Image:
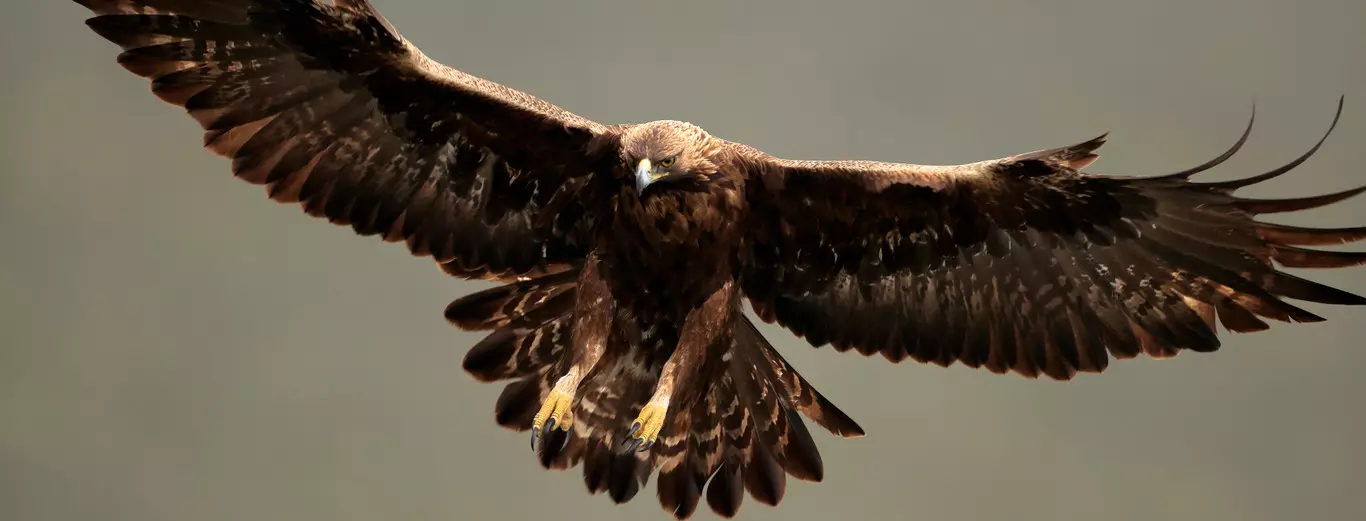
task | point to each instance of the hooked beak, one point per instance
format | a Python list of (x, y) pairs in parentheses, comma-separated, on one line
[(645, 175)]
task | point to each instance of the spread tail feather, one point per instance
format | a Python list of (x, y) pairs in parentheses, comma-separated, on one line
[(745, 434)]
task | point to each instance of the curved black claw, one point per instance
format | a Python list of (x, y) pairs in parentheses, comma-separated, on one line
[(634, 444), (631, 443), (542, 433)]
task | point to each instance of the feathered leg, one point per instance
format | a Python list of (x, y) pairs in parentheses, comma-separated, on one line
[(702, 329), (593, 311)]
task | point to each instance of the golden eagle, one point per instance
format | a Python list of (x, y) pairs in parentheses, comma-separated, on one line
[(625, 251)]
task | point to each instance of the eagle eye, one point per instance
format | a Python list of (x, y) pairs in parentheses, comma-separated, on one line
[(668, 162)]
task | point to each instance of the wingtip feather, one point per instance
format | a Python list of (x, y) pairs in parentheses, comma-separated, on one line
[(1230, 186), (1218, 160), (1302, 236), (1294, 257), (1268, 206)]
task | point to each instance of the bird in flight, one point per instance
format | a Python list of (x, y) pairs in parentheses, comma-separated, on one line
[(624, 252)]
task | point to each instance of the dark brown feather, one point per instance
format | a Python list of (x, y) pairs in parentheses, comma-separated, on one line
[(329, 107), (726, 490), (538, 298), (1265, 206), (1025, 264)]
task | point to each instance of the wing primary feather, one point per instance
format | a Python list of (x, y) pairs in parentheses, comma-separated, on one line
[(1295, 257), (1238, 145), (1230, 186), (1266, 206), (1298, 288), (1300, 236)]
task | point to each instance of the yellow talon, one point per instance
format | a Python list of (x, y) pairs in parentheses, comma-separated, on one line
[(557, 412), (645, 430)]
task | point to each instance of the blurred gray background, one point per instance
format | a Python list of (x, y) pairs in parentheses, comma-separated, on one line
[(174, 346)]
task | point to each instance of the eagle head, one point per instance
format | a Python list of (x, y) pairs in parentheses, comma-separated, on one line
[(668, 151)]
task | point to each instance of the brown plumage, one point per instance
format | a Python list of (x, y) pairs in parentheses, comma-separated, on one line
[(627, 250)]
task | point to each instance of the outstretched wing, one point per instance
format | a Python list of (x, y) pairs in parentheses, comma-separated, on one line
[(328, 106), (1025, 263)]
